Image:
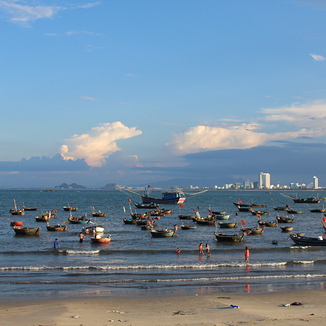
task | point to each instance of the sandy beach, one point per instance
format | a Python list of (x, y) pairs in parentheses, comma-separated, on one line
[(284, 308)]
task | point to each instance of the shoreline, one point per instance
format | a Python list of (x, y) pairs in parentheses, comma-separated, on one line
[(275, 308)]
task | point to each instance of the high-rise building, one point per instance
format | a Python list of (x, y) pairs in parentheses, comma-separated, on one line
[(315, 183), (264, 180)]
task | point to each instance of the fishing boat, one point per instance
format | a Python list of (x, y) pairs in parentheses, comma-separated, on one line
[(29, 208), (100, 239), (267, 224), (146, 206), (57, 228), (168, 197), (165, 233), (208, 220), (16, 210), (254, 212), (307, 241), (286, 228), (217, 212), (94, 229), (307, 200), (292, 211), (284, 219), (227, 225), (241, 204), (21, 230), (188, 227), (252, 231), (186, 217), (317, 210), (71, 208), (221, 216), (222, 237), (245, 209), (282, 208), (129, 221), (97, 213), (79, 220)]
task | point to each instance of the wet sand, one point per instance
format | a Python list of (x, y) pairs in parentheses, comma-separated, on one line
[(276, 309)]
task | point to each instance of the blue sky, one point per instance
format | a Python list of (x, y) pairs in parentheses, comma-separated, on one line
[(141, 92)]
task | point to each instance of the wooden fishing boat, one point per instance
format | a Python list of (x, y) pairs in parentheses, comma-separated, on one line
[(29, 208), (70, 208), (267, 224), (252, 231), (241, 204), (98, 214), (245, 208), (282, 208), (186, 217), (284, 219), (188, 227), (208, 220), (99, 239), (307, 241), (217, 212), (79, 220), (221, 217), (41, 218), (318, 210), (146, 206), (307, 200), (227, 225), (292, 211), (57, 228), (16, 210), (21, 230), (129, 221), (222, 237), (254, 212), (162, 233), (286, 228)]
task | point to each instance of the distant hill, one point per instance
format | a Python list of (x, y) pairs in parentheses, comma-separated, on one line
[(73, 186)]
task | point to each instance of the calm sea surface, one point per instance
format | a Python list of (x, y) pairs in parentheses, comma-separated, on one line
[(135, 263)]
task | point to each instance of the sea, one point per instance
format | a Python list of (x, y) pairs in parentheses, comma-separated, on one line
[(134, 263)]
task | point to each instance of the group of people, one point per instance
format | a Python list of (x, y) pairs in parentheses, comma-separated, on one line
[(56, 244), (208, 251)]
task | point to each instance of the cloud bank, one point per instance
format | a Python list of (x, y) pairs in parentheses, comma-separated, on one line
[(99, 144)]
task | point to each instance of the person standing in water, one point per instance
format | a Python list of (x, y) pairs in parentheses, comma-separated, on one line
[(246, 255), (200, 249), (208, 249), (56, 244)]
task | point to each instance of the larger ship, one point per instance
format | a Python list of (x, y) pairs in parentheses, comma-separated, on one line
[(168, 197)]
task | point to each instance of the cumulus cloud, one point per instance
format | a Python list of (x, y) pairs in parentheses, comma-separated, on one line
[(26, 13), (317, 57), (206, 138), (99, 144)]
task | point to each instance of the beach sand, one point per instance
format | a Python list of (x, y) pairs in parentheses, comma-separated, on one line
[(205, 310)]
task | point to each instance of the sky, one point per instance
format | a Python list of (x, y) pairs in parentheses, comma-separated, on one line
[(180, 93)]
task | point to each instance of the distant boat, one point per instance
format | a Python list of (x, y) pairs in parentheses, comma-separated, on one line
[(100, 239), (228, 225), (165, 233), (307, 200), (21, 230), (30, 208), (79, 220), (222, 237), (168, 197), (16, 211), (307, 241), (284, 219), (70, 208), (57, 228)]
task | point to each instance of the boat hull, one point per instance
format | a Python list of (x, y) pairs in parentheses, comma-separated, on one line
[(162, 233), (307, 241), (221, 237), (20, 230)]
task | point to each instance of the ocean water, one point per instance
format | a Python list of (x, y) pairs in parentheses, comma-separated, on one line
[(135, 263)]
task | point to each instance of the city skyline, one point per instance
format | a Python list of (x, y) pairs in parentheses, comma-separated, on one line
[(173, 93)]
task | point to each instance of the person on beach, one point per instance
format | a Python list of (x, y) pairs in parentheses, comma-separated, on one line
[(200, 249), (208, 249), (246, 255), (56, 244), (81, 237)]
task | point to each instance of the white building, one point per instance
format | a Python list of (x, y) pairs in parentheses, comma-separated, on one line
[(264, 180), (315, 183)]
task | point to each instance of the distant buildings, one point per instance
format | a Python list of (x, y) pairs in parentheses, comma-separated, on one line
[(264, 180)]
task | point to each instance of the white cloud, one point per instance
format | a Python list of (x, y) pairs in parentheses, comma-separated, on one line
[(26, 13), (204, 138), (99, 144), (311, 115), (317, 57), (90, 5), (88, 98)]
